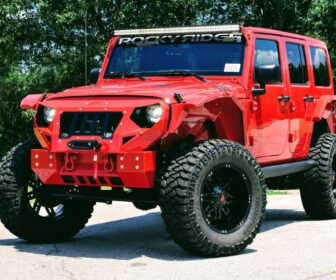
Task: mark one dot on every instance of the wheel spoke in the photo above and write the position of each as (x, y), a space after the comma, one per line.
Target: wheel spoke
(31, 195)
(207, 200)
(208, 185)
(226, 185)
(229, 199)
(37, 207)
(51, 211)
(226, 211)
(208, 211)
(218, 213)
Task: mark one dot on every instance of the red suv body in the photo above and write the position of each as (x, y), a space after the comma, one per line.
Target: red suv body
(196, 120)
(276, 127)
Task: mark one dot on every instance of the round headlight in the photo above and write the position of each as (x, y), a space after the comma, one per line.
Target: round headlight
(49, 114)
(154, 113)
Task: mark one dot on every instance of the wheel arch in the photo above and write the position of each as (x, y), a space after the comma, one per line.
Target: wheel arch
(319, 128)
(222, 118)
(323, 118)
(230, 121)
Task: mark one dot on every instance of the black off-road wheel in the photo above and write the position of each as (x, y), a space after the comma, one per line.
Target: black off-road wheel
(27, 211)
(145, 206)
(213, 199)
(318, 187)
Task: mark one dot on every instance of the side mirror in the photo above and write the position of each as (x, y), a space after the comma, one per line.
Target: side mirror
(258, 92)
(94, 74)
(266, 74)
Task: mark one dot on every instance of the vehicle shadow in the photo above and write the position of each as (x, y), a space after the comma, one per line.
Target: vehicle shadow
(276, 218)
(135, 237)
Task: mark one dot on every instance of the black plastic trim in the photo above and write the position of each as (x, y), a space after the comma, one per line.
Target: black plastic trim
(287, 168)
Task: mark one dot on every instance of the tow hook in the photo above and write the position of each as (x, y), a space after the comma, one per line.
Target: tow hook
(69, 164)
(108, 164)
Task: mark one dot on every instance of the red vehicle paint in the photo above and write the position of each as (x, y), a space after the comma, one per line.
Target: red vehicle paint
(196, 120)
(274, 131)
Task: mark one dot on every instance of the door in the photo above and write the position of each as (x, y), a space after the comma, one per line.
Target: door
(271, 123)
(302, 100)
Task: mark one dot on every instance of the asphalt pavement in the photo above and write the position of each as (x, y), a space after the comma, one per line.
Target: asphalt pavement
(121, 242)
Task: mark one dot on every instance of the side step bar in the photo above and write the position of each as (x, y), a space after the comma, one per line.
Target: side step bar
(287, 168)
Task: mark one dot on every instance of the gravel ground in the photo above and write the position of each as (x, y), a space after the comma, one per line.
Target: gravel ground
(121, 242)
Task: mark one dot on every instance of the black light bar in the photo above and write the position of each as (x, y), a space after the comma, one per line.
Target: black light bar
(179, 30)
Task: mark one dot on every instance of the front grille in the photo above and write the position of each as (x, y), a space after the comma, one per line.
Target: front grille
(89, 180)
(101, 124)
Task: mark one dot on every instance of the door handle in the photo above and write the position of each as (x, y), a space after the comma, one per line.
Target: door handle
(284, 98)
(308, 98)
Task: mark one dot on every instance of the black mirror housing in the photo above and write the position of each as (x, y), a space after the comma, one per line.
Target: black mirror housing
(266, 74)
(94, 74)
(258, 92)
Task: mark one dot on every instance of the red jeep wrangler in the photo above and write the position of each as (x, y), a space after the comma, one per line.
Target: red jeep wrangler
(191, 119)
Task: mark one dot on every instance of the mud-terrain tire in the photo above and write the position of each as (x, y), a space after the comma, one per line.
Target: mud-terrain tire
(144, 205)
(224, 176)
(21, 206)
(318, 187)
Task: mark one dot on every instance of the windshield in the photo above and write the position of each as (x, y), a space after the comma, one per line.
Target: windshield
(211, 58)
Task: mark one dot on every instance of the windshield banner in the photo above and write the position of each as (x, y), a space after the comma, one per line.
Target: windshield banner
(177, 39)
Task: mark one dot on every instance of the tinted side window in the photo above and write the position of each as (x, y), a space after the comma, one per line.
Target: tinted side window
(297, 63)
(267, 53)
(320, 65)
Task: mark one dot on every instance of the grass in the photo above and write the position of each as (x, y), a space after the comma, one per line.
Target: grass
(276, 192)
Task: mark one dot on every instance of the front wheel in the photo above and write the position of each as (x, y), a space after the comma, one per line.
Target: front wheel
(26, 211)
(213, 199)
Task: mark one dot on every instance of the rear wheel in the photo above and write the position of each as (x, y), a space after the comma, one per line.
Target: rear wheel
(318, 187)
(144, 205)
(27, 211)
(213, 199)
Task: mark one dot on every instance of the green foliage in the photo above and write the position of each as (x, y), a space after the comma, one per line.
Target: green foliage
(315, 18)
(320, 23)
(42, 43)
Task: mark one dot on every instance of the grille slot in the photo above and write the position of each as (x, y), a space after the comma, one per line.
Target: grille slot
(68, 179)
(92, 180)
(102, 180)
(81, 180)
(116, 181)
(101, 124)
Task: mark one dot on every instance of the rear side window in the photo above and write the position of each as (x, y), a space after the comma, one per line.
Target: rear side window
(297, 63)
(319, 60)
(267, 53)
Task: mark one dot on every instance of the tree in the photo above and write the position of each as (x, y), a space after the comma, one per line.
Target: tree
(320, 23)
(50, 45)
(313, 18)
(43, 46)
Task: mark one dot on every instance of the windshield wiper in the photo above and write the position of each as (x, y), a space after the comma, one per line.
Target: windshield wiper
(182, 73)
(124, 75)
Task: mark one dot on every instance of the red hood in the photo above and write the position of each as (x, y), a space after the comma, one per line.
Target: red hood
(193, 92)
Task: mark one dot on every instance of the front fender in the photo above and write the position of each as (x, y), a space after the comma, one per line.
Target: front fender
(221, 118)
(31, 101)
(323, 110)
(321, 106)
